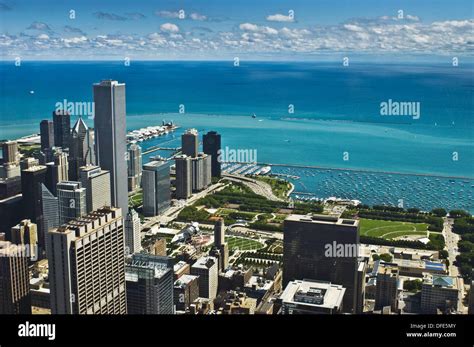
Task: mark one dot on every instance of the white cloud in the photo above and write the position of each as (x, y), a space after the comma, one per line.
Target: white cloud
(258, 29)
(197, 16)
(377, 35)
(280, 18)
(169, 27)
(167, 14)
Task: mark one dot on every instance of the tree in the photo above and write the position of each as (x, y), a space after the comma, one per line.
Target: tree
(439, 212)
(443, 254)
(412, 285)
(458, 214)
(386, 257)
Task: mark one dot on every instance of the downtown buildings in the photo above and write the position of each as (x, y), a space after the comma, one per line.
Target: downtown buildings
(193, 168)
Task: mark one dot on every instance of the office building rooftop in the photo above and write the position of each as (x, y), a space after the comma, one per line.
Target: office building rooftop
(323, 219)
(313, 293)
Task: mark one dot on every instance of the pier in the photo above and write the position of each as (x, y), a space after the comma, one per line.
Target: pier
(296, 166)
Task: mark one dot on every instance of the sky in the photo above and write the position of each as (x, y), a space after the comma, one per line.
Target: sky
(225, 29)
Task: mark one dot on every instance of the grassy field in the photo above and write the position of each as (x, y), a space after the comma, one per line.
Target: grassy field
(279, 187)
(136, 199)
(242, 243)
(390, 230)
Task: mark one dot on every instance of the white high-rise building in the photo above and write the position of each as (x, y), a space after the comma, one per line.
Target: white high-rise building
(132, 232)
(97, 184)
(87, 264)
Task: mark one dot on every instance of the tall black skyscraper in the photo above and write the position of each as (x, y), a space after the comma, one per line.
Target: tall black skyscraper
(211, 144)
(31, 180)
(62, 128)
(190, 143)
(311, 250)
(47, 134)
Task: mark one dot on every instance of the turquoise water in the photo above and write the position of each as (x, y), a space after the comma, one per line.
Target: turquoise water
(337, 117)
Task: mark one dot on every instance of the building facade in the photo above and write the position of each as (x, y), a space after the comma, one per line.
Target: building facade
(97, 184)
(110, 138)
(311, 251)
(71, 201)
(211, 145)
(132, 232)
(190, 143)
(206, 269)
(87, 264)
(149, 280)
(47, 134)
(14, 279)
(62, 128)
(134, 160)
(81, 149)
(184, 176)
(156, 188)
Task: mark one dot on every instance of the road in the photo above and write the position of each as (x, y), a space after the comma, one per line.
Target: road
(258, 187)
(451, 239)
(173, 211)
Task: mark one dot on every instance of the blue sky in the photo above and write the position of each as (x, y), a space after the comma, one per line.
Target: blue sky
(222, 29)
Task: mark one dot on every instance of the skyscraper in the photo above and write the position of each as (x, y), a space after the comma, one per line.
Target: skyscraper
(87, 265)
(14, 279)
(156, 188)
(190, 143)
(211, 145)
(220, 249)
(31, 180)
(50, 210)
(26, 233)
(58, 170)
(110, 138)
(81, 152)
(386, 287)
(47, 134)
(201, 172)
(134, 166)
(132, 232)
(10, 152)
(311, 251)
(149, 280)
(97, 184)
(183, 177)
(206, 269)
(71, 201)
(62, 128)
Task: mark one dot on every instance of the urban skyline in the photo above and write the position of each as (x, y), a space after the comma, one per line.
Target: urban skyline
(295, 162)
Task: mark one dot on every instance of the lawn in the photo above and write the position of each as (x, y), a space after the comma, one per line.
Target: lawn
(390, 230)
(242, 244)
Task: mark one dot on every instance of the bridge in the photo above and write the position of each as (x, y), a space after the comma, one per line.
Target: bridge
(158, 148)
